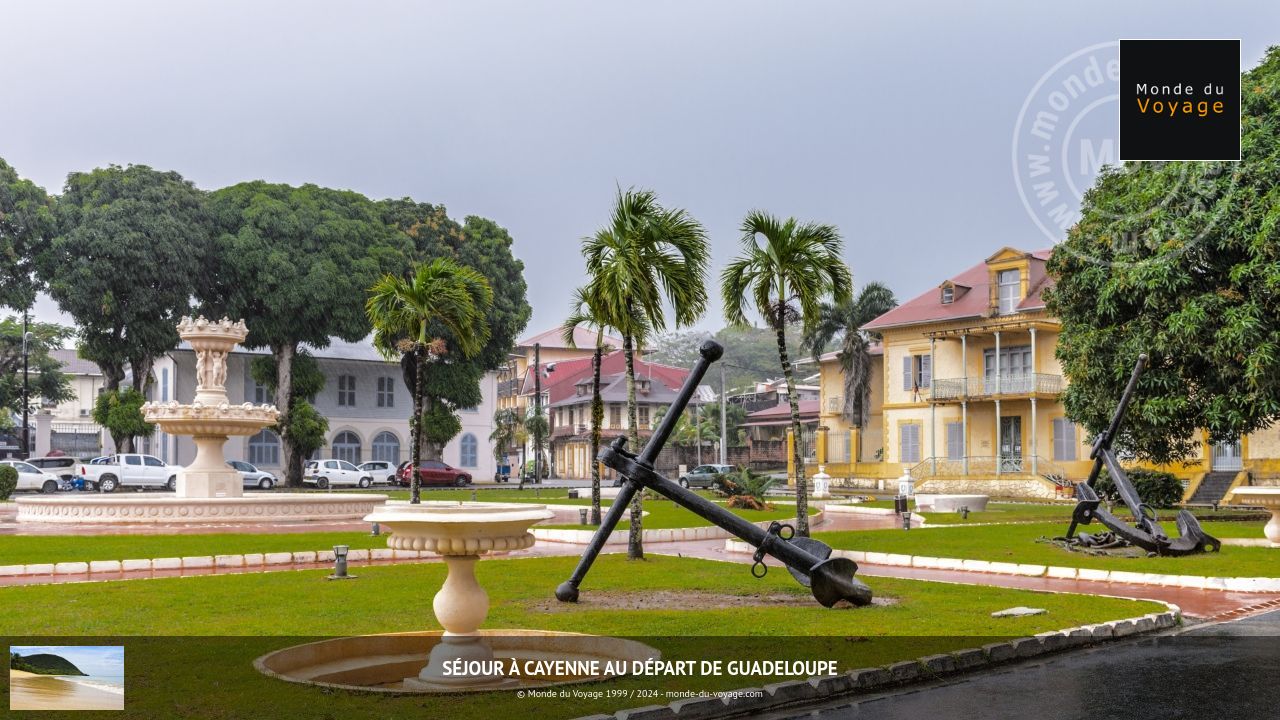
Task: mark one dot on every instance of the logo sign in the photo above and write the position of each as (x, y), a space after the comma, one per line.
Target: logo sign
(1179, 99)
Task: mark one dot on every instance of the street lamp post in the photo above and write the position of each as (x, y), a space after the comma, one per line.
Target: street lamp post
(723, 433)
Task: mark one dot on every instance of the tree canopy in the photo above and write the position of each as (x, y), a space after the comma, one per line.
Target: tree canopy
(44, 373)
(26, 224)
(1180, 261)
(131, 245)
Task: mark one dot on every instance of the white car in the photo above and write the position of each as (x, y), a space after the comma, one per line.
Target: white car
(31, 477)
(381, 470)
(252, 476)
(130, 470)
(326, 473)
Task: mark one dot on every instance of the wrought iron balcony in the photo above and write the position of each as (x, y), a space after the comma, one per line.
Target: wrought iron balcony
(1020, 385)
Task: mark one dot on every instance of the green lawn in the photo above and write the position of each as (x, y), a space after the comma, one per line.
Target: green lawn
(30, 549)
(212, 676)
(1009, 512)
(664, 514)
(1018, 543)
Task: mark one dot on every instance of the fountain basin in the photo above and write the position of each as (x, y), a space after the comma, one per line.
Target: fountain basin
(1266, 497)
(381, 663)
(167, 508)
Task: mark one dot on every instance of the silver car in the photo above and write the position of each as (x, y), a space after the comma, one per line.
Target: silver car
(704, 475)
(252, 476)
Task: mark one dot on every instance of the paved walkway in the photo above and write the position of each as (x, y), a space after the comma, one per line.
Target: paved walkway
(1211, 671)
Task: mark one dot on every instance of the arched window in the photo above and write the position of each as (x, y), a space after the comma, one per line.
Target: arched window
(468, 451)
(346, 446)
(386, 446)
(264, 448)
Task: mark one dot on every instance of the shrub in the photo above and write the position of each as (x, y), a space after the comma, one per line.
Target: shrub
(744, 490)
(1156, 488)
(8, 481)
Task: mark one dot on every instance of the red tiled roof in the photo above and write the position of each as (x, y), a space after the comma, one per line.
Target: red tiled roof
(974, 302)
(559, 384)
(783, 411)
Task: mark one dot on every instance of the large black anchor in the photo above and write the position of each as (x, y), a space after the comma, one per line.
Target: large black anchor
(1145, 532)
(830, 579)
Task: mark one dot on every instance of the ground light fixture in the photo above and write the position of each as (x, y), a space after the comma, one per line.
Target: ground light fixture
(582, 514)
(375, 531)
(340, 563)
(964, 512)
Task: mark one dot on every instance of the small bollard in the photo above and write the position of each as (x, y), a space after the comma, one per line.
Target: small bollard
(340, 563)
(376, 531)
(473, 495)
(537, 492)
(964, 512)
(906, 520)
(583, 515)
(573, 493)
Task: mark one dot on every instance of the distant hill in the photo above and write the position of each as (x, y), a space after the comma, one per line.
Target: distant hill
(43, 664)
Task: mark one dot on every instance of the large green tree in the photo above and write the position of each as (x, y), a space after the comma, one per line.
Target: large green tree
(131, 245)
(26, 224)
(1181, 261)
(404, 311)
(843, 321)
(295, 264)
(646, 258)
(785, 271)
(307, 427)
(45, 378)
(485, 247)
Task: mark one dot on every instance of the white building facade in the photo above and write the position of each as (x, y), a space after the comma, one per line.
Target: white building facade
(364, 399)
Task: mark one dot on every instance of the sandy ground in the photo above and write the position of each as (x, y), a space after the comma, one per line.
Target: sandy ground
(28, 691)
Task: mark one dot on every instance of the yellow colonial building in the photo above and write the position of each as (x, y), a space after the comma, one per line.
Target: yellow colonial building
(965, 398)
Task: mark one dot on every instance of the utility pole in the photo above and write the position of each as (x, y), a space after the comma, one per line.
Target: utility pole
(724, 436)
(26, 390)
(537, 409)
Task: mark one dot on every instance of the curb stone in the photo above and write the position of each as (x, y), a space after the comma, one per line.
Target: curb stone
(793, 692)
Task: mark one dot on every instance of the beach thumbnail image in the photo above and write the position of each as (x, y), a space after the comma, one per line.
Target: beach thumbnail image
(66, 677)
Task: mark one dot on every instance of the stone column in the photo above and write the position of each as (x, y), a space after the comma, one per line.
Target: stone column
(43, 442)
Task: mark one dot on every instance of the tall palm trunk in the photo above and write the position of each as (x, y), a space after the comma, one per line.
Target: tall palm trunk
(797, 457)
(635, 545)
(415, 425)
(597, 417)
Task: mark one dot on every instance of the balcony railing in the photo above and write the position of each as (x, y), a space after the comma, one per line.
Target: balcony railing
(1006, 385)
(986, 466)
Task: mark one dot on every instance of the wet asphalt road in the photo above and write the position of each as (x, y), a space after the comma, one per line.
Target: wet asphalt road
(1221, 672)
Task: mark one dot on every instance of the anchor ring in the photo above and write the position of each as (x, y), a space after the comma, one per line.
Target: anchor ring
(764, 570)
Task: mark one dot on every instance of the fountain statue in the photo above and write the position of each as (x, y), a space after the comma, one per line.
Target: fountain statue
(208, 490)
(463, 658)
(210, 419)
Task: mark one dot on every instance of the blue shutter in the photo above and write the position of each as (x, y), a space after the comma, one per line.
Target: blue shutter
(906, 372)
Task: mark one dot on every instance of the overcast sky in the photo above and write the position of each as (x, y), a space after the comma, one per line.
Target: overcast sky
(892, 120)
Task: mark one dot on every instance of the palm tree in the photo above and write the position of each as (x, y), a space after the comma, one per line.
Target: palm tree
(844, 320)
(586, 311)
(786, 277)
(645, 258)
(408, 312)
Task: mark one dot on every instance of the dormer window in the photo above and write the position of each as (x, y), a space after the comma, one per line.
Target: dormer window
(948, 294)
(1009, 290)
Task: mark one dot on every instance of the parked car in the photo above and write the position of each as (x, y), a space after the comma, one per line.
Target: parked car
(380, 470)
(63, 466)
(703, 476)
(435, 472)
(252, 476)
(31, 477)
(131, 470)
(324, 473)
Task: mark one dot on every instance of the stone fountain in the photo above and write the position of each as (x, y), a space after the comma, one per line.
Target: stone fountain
(208, 491)
(1265, 497)
(461, 533)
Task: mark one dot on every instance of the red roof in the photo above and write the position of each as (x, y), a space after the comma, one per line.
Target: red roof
(559, 383)
(781, 413)
(972, 297)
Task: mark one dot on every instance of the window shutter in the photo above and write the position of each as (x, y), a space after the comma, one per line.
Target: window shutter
(906, 372)
(926, 371)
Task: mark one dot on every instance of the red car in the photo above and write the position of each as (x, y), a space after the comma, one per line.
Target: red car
(434, 472)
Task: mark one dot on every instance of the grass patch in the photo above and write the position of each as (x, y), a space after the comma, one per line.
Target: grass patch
(1011, 512)
(31, 549)
(213, 677)
(1018, 543)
